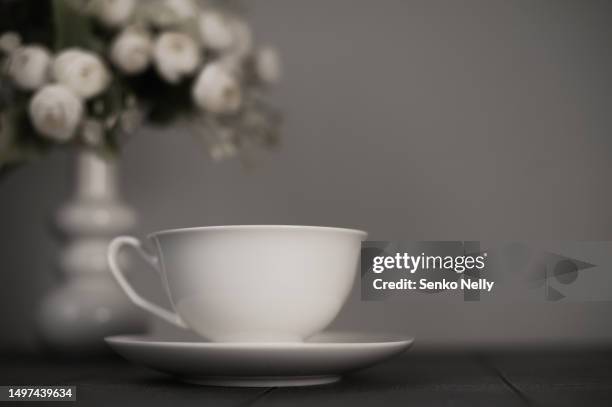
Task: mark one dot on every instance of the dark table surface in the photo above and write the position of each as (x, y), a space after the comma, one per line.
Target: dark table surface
(539, 378)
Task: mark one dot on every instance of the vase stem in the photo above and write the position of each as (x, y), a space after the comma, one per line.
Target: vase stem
(96, 177)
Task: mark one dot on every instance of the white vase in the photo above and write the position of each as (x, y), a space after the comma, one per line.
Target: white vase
(89, 305)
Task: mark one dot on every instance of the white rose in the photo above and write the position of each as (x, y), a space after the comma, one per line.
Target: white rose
(183, 9)
(29, 66)
(55, 112)
(223, 33)
(9, 41)
(216, 30)
(176, 55)
(113, 13)
(82, 71)
(216, 90)
(131, 51)
(268, 65)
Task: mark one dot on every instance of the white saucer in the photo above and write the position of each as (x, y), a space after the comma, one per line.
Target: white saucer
(320, 360)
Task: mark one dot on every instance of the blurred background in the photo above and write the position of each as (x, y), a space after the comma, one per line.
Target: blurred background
(413, 120)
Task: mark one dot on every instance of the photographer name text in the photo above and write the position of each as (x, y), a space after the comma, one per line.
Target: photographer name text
(481, 284)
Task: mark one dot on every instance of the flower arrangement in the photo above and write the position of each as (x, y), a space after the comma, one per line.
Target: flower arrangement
(94, 71)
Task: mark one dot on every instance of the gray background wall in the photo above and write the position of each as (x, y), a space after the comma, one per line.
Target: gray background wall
(411, 119)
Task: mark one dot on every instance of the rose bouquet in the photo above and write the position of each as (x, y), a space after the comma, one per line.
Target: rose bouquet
(93, 71)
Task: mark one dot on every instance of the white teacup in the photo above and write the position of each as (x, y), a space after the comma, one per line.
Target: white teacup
(249, 283)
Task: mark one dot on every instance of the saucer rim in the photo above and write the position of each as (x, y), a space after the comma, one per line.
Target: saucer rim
(147, 339)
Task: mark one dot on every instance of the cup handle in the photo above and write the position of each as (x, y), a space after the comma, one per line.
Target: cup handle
(113, 250)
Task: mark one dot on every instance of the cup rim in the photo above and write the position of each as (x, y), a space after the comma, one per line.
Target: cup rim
(363, 233)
